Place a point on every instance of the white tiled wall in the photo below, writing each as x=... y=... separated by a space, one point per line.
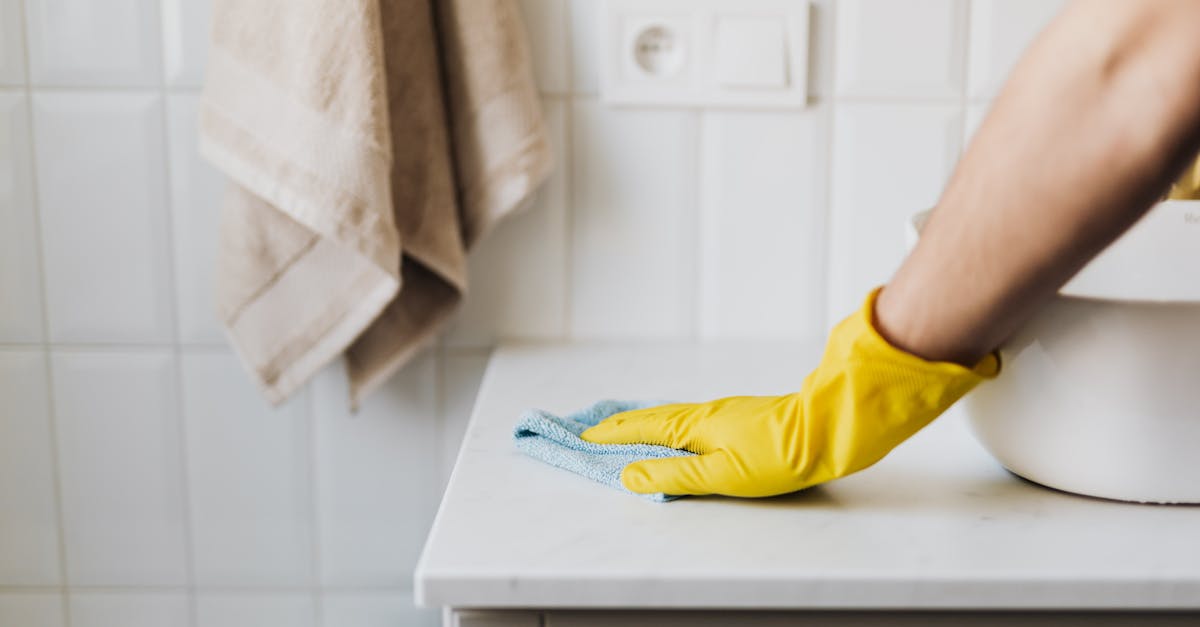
x=142 y=480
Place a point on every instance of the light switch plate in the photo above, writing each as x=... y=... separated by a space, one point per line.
x=693 y=53
x=751 y=52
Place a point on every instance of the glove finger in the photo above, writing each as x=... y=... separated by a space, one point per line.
x=666 y=425
x=697 y=474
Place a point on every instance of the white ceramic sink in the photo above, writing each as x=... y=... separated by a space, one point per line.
x=1100 y=391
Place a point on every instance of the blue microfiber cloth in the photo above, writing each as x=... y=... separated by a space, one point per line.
x=555 y=440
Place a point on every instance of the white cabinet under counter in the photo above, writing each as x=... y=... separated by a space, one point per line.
x=937 y=533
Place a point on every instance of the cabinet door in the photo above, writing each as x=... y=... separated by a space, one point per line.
x=491 y=618
x=865 y=619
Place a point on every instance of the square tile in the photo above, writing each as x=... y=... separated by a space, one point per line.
x=102 y=192
x=185 y=40
x=632 y=266
x=255 y=610
x=83 y=42
x=118 y=444
x=461 y=375
x=763 y=224
x=584 y=20
x=29 y=524
x=518 y=273
x=137 y=609
x=248 y=478
x=1000 y=31
x=889 y=162
x=546 y=25
x=900 y=48
x=376 y=475
x=20 y=271
x=12 y=43
x=31 y=609
x=376 y=610
x=196 y=195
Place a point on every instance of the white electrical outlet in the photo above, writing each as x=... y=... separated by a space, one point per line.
x=727 y=53
x=654 y=48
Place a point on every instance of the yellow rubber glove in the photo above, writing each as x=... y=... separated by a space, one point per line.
x=864 y=399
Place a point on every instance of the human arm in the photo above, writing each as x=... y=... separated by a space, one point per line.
x=1096 y=120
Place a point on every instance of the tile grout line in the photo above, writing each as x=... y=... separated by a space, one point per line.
x=47 y=366
x=814 y=99
x=824 y=200
x=216 y=589
x=965 y=75
x=185 y=470
x=84 y=347
x=568 y=164
x=709 y=191
x=126 y=88
x=693 y=196
x=822 y=154
x=314 y=502
x=832 y=248
x=441 y=370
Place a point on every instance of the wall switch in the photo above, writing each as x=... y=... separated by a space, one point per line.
x=751 y=52
x=721 y=53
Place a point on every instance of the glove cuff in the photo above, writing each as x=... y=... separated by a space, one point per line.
x=871 y=342
x=868 y=396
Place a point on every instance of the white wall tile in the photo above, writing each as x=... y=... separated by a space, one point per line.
x=248 y=477
x=196 y=193
x=518 y=273
x=31 y=609
x=461 y=375
x=546 y=25
x=29 y=518
x=12 y=43
x=634 y=224
x=84 y=42
x=20 y=289
x=138 y=609
x=376 y=475
x=118 y=443
x=185 y=40
x=376 y=610
x=763 y=228
x=890 y=161
x=584 y=23
x=900 y=48
x=255 y=610
x=1000 y=31
x=102 y=191
x=609 y=250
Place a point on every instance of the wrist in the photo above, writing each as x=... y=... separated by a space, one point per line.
x=911 y=325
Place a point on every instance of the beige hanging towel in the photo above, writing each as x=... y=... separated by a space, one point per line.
x=369 y=143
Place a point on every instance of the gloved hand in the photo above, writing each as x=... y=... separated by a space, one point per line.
x=864 y=399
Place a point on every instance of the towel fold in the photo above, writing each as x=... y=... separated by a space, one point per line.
x=555 y=440
x=369 y=145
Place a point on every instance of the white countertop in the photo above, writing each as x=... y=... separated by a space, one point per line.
x=937 y=524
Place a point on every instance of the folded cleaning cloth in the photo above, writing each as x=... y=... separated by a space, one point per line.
x=369 y=145
x=555 y=440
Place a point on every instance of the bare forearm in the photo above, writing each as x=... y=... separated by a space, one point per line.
x=1095 y=122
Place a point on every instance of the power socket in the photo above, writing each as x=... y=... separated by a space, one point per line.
x=725 y=53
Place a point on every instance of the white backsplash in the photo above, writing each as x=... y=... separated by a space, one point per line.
x=143 y=483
